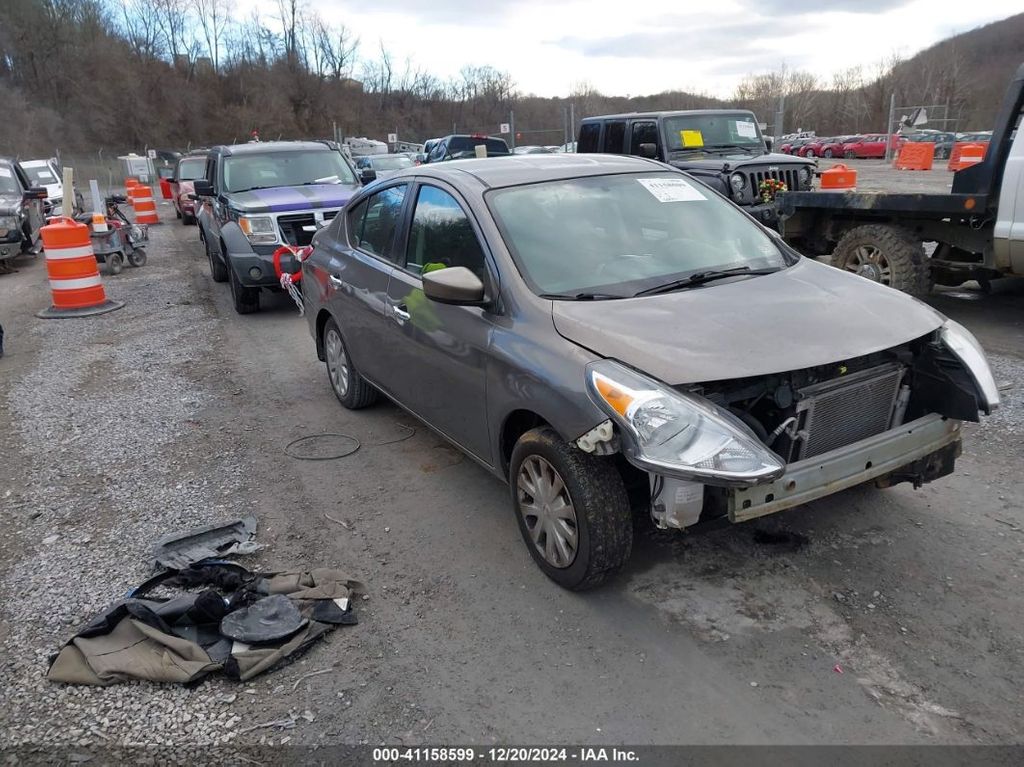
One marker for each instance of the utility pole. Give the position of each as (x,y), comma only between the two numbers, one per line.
(777,133)
(888,129)
(512,128)
(572,121)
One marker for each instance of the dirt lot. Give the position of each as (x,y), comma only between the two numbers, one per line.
(873,616)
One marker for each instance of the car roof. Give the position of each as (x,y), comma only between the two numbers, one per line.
(260,147)
(34,163)
(518,169)
(669,113)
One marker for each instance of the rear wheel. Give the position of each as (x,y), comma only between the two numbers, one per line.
(350,388)
(137,257)
(886,254)
(572,509)
(827,153)
(809,153)
(246,300)
(849,154)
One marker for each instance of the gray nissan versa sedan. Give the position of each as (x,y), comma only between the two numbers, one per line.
(610,337)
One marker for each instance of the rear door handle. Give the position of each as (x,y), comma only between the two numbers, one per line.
(336,282)
(400,313)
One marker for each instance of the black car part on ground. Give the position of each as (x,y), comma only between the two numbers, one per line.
(181,639)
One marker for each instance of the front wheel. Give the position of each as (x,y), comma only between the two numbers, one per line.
(827,153)
(115,263)
(218,270)
(809,153)
(886,254)
(246,300)
(850,154)
(572,509)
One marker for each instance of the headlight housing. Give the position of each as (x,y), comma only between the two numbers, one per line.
(965,346)
(806,174)
(738,182)
(259,229)
(679,434)
(7,223)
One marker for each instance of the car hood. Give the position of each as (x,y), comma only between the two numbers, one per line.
(285,198)
(809,314)
(9,203)
(716,161)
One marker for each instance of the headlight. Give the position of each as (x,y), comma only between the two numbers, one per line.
(259,229)
(737,181)
(7,223)
(679,434)
(805,175)
(965,346)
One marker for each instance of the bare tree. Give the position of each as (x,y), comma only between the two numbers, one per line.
(213,20)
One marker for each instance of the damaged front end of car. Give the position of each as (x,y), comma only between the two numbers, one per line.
(743,448)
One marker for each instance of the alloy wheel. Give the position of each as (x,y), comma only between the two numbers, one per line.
(869,261)
(337,362)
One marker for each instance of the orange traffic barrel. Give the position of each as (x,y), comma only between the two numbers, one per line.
(966,153)
(915,155)
(73,273)
(130,182)
(145,207)
(839,178)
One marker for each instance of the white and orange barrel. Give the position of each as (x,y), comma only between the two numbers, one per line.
(130,182)
(839,178)
(72,270)
(144,205)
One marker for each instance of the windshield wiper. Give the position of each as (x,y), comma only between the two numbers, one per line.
(584,296)
(252,189)
(702,277)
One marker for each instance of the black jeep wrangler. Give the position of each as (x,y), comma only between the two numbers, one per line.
(722,148)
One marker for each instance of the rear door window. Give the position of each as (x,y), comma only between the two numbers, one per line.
(614,137)
(643,133)
(374,221)
(590,133)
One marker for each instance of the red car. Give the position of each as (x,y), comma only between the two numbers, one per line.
(812,148)
(189,168)
(833,147)
(869,145)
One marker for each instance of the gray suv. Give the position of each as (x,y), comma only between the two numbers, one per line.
(612,338)
(722,148)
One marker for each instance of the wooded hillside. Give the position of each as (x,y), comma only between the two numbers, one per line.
(85,75)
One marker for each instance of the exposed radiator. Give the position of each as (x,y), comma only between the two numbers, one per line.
(845,410)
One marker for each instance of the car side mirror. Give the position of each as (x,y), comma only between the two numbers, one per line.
(453,285)
(203,188)
(650,151)
(366,175)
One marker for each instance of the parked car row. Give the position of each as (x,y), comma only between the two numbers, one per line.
(874,144)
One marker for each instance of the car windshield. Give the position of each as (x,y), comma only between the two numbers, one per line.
(192,169)
(460,144)
(39,175)
(390,162)
(291,168)
(618,235)
(8,183)
(711,130)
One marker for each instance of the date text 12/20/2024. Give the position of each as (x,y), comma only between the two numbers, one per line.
(502,754)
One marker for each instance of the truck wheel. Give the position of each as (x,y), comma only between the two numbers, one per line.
(218,271)
(350,388)
(572,509)
(246,300)
(885,254)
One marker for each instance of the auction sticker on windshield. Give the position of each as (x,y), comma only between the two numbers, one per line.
(671,189)
(746,129)
(691,138)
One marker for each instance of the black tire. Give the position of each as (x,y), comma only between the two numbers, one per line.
(809,153)
(604,521)
(246,300)
(218,270)
(188,220)
(351,389)
(886,254)
(115,263)
(177,212)
(137,257)
(827,153)
(850,154)
(941,154)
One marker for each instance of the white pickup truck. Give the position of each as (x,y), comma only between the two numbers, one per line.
(977,229)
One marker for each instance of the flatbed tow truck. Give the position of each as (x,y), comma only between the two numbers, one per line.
(977,229)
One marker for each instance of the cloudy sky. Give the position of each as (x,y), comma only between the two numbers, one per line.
(645,47)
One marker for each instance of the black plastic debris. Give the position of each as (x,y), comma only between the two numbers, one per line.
(179,550)
(266,620)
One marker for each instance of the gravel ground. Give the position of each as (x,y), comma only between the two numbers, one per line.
(173,412)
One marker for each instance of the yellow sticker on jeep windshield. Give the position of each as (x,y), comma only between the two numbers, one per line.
(691,138)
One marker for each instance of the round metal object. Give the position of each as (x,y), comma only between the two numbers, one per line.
(868,261)
(337,362)
(322,447)
(548,511)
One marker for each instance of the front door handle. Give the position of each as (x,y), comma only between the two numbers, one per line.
(336,282)
(400,313)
